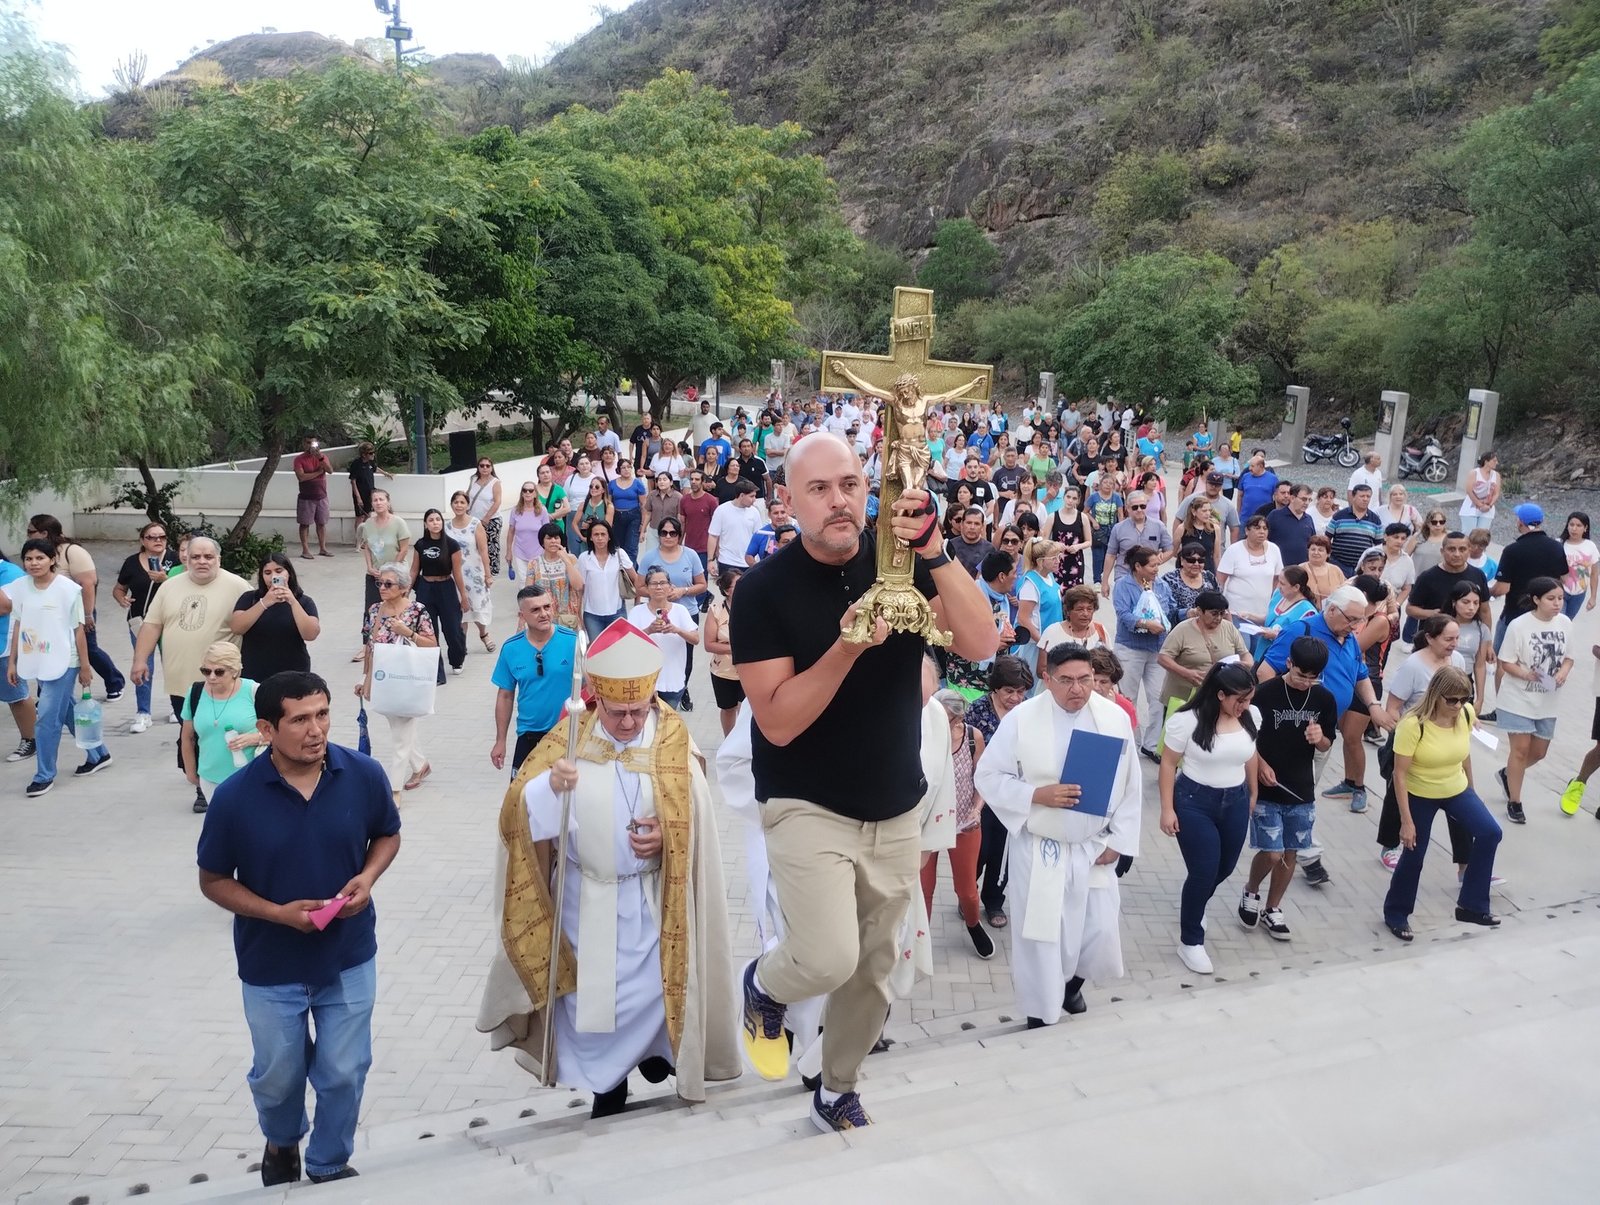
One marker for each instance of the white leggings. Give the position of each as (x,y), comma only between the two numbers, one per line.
(408,756)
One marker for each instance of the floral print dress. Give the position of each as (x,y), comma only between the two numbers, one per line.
(480,606)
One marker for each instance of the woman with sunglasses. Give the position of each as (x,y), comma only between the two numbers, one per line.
(1208,790)
(138,580)
(275,621)
(483,504)
(1426,545)
(441,587)
(1433,774)
(524,521)
(219,722)
(687,573)
(582,497)
(397,618)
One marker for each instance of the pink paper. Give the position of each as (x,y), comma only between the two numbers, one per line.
(324,915)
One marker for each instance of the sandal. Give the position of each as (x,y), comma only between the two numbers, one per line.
(997,919)
(1403,932)
(488,645)
(415,780)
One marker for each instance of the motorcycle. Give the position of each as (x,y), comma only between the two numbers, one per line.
(1340,447)
(1427,461)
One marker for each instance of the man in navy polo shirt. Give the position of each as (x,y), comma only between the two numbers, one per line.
(291,832)
(534,670)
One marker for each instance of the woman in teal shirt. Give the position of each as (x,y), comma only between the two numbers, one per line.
(219,721)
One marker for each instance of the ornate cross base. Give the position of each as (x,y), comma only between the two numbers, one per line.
(900,605)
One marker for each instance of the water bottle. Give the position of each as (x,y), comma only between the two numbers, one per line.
(239,759)
(87,723)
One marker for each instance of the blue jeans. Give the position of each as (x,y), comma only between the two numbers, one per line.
(1467,810)
(593,625)
(1212,822)
(55,717)
(626,531)
(1571,604)
(100,661)
(335,1061)
(141,694)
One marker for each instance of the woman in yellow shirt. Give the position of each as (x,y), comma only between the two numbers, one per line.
(1433,774)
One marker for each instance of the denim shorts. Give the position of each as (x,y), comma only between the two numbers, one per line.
(1511,723)
(1276,827)
(14,694)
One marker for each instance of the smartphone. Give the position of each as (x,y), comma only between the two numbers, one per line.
(279,579)
(155,564)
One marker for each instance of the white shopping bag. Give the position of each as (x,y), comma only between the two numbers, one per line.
(403,679)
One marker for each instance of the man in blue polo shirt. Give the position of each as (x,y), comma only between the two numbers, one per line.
(535,671)
(1345,677)
(308,825)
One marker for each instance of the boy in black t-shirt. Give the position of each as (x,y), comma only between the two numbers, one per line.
(1298,720)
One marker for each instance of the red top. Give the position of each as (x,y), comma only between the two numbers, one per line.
(310,462)
(697,514)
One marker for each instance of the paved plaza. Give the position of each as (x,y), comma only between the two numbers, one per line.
(123,1049)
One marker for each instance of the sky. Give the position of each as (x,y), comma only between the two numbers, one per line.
(99,33)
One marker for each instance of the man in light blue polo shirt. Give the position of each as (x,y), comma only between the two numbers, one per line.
(1345,677)
(534,669)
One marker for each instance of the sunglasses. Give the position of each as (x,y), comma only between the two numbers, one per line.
(1194,560)
(670,531)
(388,584)
(530,491)
(1139,507)
(213,673)
(1455,700)
(539,661)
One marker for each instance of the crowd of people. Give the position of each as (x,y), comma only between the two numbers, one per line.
(1109,604)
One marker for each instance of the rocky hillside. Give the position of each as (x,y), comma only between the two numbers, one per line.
(1270,118)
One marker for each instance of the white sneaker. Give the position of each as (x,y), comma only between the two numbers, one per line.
(455,669)
(141,723)
(172,719)
(1195,958)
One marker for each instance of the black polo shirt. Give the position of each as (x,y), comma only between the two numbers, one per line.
(861,757)
(1532,554)
(285,847)
(1433,587)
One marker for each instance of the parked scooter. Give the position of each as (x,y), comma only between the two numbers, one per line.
(1426,461)
(1340,447)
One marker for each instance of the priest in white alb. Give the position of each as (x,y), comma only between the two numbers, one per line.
(646,966)
(1065,903)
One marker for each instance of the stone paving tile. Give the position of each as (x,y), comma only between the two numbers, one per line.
(122,1045)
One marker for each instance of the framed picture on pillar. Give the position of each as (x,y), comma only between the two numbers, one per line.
(1386,421)
(1474,418)
(1289,407)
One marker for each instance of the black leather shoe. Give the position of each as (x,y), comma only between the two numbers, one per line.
(655,1069)
(344,1173)
(608,1104)
(281,1166)
(1073,1001)
(1035,1023)
(1487,919)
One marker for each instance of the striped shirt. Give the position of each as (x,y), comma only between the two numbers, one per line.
(1352,535)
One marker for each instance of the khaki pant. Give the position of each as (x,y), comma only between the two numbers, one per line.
(844,887)
(408,756)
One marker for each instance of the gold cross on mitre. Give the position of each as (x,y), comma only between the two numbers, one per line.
(910,344)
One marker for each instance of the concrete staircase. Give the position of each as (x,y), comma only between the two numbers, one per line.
(1460,1072)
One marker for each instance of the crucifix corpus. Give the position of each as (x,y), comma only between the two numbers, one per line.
(898,380)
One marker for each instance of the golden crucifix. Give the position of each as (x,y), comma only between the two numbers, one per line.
(897,380)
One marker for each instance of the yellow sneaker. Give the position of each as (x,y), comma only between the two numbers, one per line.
(765,1048)
(1572,798)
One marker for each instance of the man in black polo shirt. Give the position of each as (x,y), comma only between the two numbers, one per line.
(835,753)
(309,824)
(968,547)
(1430,593)
(1532,554)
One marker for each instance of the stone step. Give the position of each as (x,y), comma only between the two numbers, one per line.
(932,1096)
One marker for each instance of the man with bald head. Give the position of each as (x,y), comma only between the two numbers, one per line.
(188,615)
(839,812)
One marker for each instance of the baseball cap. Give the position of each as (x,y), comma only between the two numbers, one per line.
(1214,478)
(1529,512)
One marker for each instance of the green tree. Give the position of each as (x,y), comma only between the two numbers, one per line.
(1154,334)
(1574,36)
(743,219)
(1139,189)
(332,191)
(962,265)
(1279,301)
(115,318)
(1343,352)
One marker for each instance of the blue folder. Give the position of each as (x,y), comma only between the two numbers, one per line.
(1091,763)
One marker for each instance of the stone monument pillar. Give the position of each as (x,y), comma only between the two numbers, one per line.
(1296,408)
(1483,409)
(1391,437)
(777,375)
(1047,391)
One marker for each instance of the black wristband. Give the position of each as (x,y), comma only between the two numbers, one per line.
(937,562)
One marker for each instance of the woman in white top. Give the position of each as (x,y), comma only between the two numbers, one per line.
(670,626)
(472,536)
(670,461)
(1535,659)
(1207,804)
(1483,491)
(1398,509)
(955,456)
(49,646)
(483,504)
(1581,580)
(583,473)
(1249,571)
(602,567)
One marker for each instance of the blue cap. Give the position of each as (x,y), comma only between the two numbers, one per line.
(1529,513)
